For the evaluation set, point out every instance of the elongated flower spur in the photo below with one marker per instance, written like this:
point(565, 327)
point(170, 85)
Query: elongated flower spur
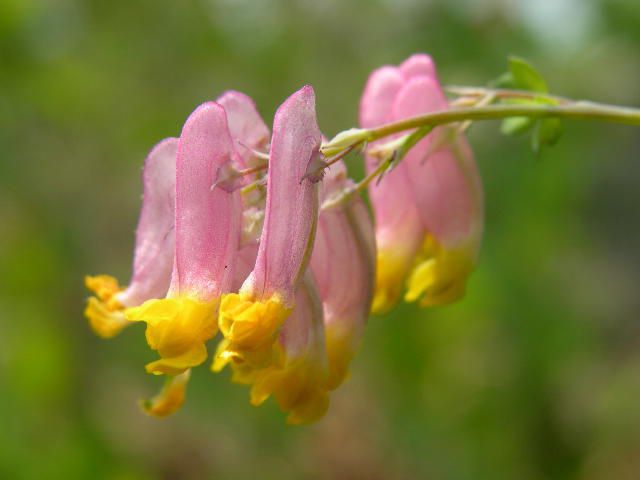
point(261, 238)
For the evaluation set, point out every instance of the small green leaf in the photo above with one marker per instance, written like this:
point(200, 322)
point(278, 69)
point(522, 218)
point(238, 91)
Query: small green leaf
point(547, 133)
point(525, 76)
point(503, 81)
point(516, 125)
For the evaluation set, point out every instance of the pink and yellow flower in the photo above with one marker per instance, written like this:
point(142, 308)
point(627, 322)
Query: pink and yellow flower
point(153, 257)
point(207, 231)
point(343, 265)
point(429, 208)
point(251, 319)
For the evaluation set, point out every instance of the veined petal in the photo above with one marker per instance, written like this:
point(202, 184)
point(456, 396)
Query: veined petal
point(247, 129)
point(154, 248)
point(251, 319)
point(398, 228)
point(343, 265)
point(207, 234)
point(298, 381)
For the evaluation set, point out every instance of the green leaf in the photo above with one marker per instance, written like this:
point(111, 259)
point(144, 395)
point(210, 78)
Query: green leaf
point(525, 76)
point(516, 125)
point(547, 133)
point(503, 81)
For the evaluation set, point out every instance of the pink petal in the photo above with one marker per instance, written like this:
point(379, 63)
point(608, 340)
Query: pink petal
point(418, 65)
point(246, 126)
point(207, 220)
point(299, 382)
point(445, 182)
point(292, 202)
point(343, 259)
point(379, 93)
point(154, 250)
point(343, 265)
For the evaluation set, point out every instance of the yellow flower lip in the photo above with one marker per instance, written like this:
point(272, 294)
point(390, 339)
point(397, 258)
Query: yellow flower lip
point(105, 288)
point(391, 270)
point(104, 311)
point(439, 275)
point(170, 398)
point(250, 328)
point(178, 329)
point(298, 386)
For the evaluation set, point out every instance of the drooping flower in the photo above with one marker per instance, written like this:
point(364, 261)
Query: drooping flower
point(343, 265)
point(429, 208)
point(251, 319)
point(154, 248)
point(297, 377)
point(207, 230)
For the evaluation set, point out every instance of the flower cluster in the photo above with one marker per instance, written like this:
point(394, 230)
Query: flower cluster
point(284, 273)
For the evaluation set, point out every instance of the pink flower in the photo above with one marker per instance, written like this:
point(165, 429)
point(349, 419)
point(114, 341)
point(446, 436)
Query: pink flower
point(298, 373)
point(429, 208)
point(207, 231)
point(251, 319)
point(343, 265)
point(153, 256)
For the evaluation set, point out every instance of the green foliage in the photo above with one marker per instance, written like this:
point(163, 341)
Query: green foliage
point(524, 76)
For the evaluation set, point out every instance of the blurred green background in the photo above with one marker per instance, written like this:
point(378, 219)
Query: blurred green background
point(535, 375)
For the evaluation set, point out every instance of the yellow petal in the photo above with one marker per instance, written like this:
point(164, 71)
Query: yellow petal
point(250, 328)
point(170, 398)
point(178, 329)
point(103, 311)
point(439, 276)
point(299, 388)
point(104, 322)
point(340, 352)
point(391, 271)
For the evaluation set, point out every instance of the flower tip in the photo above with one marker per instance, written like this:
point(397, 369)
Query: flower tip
point(418, 64)
point(170, 398)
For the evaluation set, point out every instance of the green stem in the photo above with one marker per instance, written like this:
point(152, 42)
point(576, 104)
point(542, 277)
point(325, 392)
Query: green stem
point(581, 110)
point(506, 93)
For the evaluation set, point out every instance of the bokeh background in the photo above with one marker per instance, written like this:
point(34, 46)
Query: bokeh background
point(535, 375)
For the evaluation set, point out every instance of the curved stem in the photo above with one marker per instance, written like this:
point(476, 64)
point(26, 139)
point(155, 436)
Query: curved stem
point(506, 93)
point(581, 110)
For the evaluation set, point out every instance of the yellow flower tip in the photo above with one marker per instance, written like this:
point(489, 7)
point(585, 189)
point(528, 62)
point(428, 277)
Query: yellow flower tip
point(340, 352)
point(178, 329)
point(391, 271)
point(299, 388)
point(103, 311)
point(250, 328)
point(439, 278)
point(170, 398)
point(105, 288)
point(104, 322)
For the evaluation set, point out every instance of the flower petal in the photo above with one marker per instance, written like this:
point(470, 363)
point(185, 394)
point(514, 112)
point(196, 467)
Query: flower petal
point(155, 241)
point(154, 249)
point(343, 265)
point(418, 65)
point(250, 320)
point(207, 220)
point(299, 380)
point(446, 186)
point(207, 236)
point(247, 129)
point(398, 227)
point(170, 398)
